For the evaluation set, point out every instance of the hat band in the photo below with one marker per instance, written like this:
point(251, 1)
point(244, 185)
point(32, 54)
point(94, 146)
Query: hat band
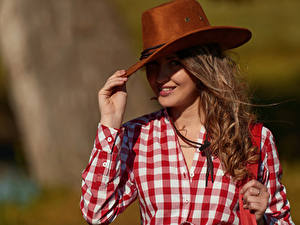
point(149, 51)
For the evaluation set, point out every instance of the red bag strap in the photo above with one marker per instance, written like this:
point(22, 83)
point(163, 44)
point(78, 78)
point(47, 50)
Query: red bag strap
point(246, 217)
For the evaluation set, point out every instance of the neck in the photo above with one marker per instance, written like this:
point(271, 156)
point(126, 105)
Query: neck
point(188, 117)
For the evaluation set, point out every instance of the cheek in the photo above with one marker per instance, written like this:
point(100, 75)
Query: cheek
point(152, 82)
point(188, 85)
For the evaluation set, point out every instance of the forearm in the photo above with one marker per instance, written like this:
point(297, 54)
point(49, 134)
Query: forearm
point(96, 190)
point(101, 198)
point(278, 210)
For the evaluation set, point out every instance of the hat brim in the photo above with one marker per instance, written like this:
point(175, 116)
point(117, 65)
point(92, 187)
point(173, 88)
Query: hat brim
point(227, 38)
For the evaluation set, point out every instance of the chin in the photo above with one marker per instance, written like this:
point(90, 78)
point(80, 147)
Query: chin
point(167, 102)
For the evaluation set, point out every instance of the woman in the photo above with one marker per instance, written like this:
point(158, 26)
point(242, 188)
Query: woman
point(191, 162)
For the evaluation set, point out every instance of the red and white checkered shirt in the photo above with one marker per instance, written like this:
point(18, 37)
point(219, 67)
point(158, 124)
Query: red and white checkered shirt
point(143, 159)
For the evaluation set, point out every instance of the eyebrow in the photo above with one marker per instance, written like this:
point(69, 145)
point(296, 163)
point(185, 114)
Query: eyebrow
point(171, 57)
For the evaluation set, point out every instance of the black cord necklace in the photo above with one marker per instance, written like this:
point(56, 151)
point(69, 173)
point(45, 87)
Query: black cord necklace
point(202, 148)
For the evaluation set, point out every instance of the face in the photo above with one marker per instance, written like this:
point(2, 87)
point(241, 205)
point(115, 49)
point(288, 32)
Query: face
point(172, 84)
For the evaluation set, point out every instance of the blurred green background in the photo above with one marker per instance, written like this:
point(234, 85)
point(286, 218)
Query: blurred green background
point(270, 62)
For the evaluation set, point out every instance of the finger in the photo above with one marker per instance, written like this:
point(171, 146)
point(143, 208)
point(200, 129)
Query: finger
point(118, 73)
point(121, 88)
point(251, 191)
point(252, 183)
point(257, 208)
point(262, 194)
point(262, 199)
point(249, 199)
point(254, 206)
point(112, 84)
point(107, 94)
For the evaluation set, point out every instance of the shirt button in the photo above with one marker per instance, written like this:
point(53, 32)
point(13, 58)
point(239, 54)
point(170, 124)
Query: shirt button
point(186, 201)
point(109, 139)
point(105, 164)
point(192, 174)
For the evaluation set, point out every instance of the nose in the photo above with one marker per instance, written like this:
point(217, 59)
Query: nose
point(163, 75)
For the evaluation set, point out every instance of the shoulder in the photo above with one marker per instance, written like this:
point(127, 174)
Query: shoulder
point(268, 150)
point(145, 120)
point(263, 135)
point(263, 138)
point(260, 134)
point(141, 126)
point(268, 145)
point(269, 163)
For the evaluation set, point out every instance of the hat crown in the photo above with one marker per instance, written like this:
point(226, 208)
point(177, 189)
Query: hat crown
point(179, 25)
point(170, 21)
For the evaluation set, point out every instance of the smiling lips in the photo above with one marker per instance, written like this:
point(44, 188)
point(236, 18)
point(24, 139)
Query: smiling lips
point(166, 91)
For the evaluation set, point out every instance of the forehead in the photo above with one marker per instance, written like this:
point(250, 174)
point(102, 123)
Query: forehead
point(163, 59)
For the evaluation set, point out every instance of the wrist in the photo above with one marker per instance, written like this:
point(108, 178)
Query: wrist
point(110, 122)
point(261, 221)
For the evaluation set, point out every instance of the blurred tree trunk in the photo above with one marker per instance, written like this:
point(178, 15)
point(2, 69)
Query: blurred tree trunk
point(58, 54)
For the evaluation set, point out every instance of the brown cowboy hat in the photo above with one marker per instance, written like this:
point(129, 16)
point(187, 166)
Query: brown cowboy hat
point(181, 24)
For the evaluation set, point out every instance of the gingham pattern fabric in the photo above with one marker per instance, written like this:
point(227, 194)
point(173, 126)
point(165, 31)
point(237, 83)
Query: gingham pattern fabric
point(143, 160)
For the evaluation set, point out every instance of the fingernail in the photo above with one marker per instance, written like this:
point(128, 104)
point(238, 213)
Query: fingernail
point(122, 71)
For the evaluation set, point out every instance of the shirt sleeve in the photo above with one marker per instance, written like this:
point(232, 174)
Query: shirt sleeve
point(270, 173)
point(107, 182)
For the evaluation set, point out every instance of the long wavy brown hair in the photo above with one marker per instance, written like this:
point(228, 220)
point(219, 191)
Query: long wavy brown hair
point(226, 105)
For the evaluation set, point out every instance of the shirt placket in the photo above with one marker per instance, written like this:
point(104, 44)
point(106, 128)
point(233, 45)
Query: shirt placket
point(186, 190)
point(189, 180)
point(184, 180)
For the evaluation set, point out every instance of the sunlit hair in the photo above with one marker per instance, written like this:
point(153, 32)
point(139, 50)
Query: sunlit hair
point(225, 105)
